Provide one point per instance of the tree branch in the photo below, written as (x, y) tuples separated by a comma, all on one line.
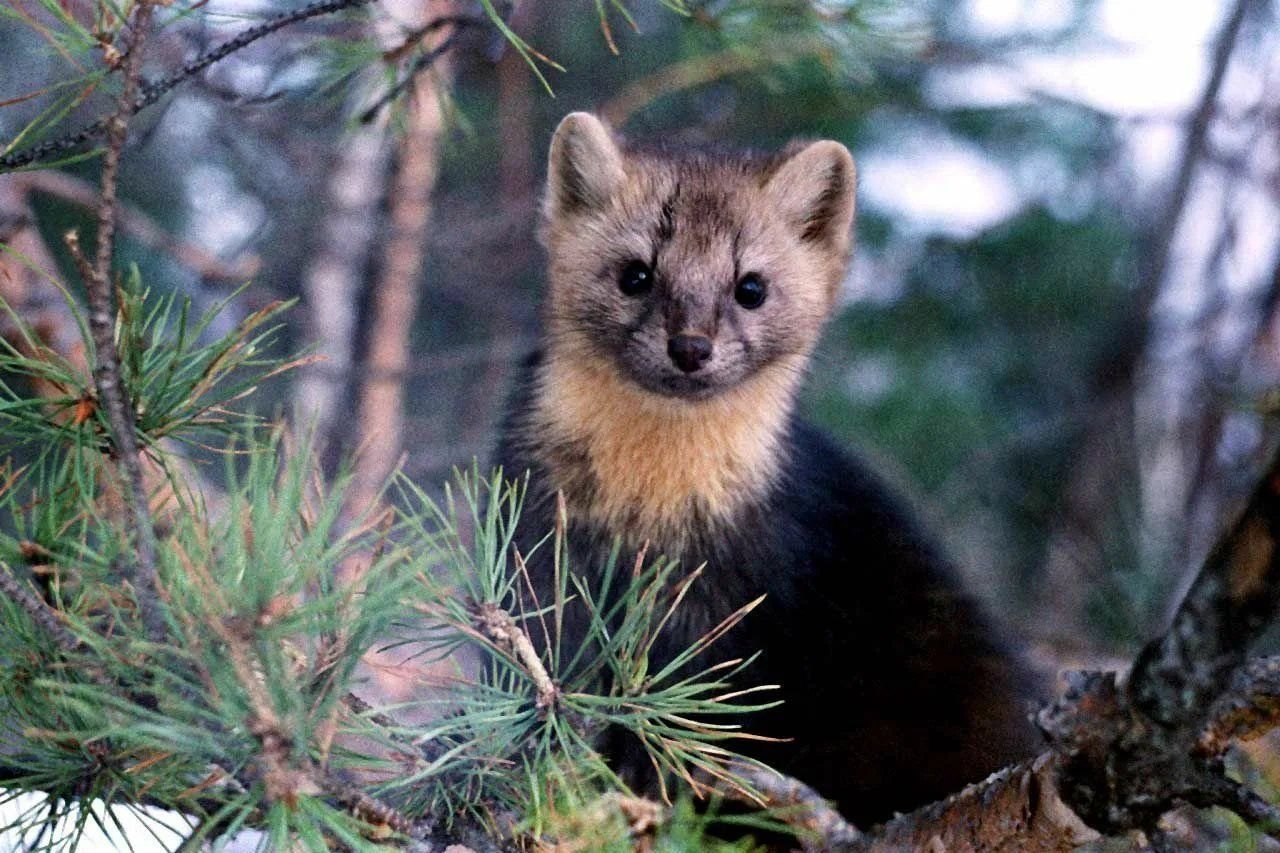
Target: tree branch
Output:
[(418, 66), (818, 825), (1250, 709), (497, 624), (150, 92), (40, 613), (142, 227), (107, 373)]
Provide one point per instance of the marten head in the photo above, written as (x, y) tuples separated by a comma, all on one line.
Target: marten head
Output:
[(691, 273)]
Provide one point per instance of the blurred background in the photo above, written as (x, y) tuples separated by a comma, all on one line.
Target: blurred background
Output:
[(1059, 332)]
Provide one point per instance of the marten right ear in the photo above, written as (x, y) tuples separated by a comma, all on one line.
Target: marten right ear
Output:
[(584, 168)]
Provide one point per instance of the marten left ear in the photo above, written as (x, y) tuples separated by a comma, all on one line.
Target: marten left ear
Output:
[(584, 167), (814, 189)]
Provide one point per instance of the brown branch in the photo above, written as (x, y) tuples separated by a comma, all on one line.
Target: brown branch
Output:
[(142, 227), (107, 374), (817, 824), (1124, 755), (498, 625), (1130, 753), (368, 809), (42, 614), (1019, 808)]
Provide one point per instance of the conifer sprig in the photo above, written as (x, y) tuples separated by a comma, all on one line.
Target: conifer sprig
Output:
[(244, 711)]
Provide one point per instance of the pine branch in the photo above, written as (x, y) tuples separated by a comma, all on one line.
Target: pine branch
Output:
[(416, 68), (150, 92), (818, 825), (107, 373), (497, 624), (40, 613)]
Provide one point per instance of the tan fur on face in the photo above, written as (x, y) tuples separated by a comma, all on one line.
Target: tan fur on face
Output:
[(652, 464), (633, 449)]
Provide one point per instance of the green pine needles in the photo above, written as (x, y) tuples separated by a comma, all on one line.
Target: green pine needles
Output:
[(245, 712)]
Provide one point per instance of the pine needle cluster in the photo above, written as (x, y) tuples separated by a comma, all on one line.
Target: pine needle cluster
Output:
[(247, 710)]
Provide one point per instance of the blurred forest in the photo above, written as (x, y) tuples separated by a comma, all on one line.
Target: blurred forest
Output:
[(1061, 324)]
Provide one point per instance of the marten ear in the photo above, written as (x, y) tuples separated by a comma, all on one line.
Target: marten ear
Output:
[(584, 168), (814, 190)]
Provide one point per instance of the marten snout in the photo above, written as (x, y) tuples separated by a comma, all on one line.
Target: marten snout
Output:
[(689, 352)]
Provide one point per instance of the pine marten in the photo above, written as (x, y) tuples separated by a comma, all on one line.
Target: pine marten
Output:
[(686, 292)]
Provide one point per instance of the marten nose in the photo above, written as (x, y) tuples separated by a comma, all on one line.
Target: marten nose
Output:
[(689, 352)]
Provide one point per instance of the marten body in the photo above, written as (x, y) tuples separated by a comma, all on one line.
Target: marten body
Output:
[(686, 293)]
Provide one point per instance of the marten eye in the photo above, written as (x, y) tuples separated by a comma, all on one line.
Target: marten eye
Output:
[(750, 291), (636, 278)]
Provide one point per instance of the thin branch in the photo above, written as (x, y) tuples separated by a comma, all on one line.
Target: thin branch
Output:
[(417, 67), (142, 227), (701, 70), (819, 826), (368, 809), (497, 624), (152, 91), (40, 613), (1193, 149), (417, 34), (107, 373)]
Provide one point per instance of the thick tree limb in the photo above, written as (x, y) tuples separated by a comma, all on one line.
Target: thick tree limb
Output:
[(1123, 755), (1250, 709), (1020, 808)]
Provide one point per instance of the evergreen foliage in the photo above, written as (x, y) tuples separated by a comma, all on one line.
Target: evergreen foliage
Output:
[(243, 715)]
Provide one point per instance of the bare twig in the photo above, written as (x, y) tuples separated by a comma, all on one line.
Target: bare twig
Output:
[(415, 36), (368, 809), (819, 826), (154, 90)]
